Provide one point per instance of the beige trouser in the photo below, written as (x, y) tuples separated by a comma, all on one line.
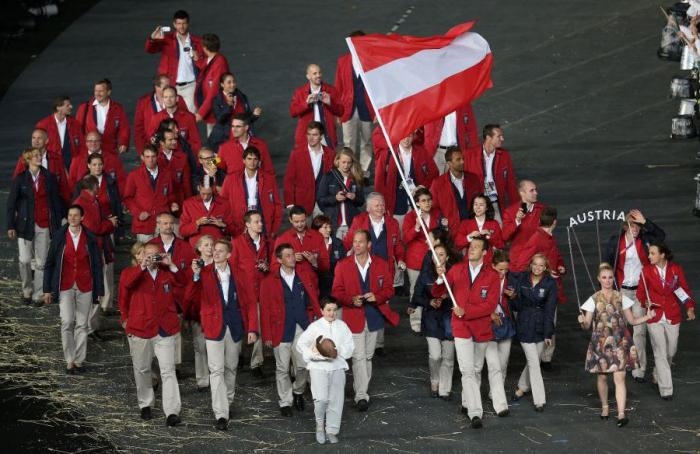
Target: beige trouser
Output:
[(74, 308), (201, 368), (664, 343), (365, 343), (286, 354), (355, 129), (414, 318), (186, 92), (222, 357), (142, 351), (548, 352), (35, 251), (379, 341), (256, 355), (439, 158), (497, 213), (640, 334), (145, 238), (341, 232), (328, 391), (95, 318), (490, 352), (441, 362), (532, 374), (178, 347), (466, 356)]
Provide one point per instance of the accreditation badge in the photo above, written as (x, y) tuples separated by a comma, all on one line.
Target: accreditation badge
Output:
[(113, 175), (166, 287), (380, 279), (165, 190), (542, 291), (271, 197)]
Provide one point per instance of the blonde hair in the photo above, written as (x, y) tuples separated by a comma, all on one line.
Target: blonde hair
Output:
[(201, 240), (605, 266), (543, 257), (136, 249), (355, 169)]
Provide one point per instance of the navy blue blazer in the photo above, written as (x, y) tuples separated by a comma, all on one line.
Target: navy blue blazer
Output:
[(336, 252), (328, 187), (535, 306), (435, 323), (20, 204), (222, 112)]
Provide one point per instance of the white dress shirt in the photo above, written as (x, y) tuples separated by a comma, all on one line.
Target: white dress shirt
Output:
[(363, 269), (224, 280), (406, 154), (489, 184), (207, 204), (377, 226), (457, 182), (316, 159), (75, 237), (101, 114), (633, 266), (154, 173), (288, 278), (185, 66), (61, 129), (159, 106), (252, 184), (448, 136), (474, 271)]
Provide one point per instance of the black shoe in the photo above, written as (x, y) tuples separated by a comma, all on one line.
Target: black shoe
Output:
[(27, 300), (539, 408), (380, 352), (476, 423), (178, 374), (299, 402), (446, 397), (70, 371), (222, 423), (546, 366), (79, 369), (434, 394), (146, 414), (203, 389), (464, 410), (622, 422), (362, 405), (667, 398), (172, 420), (38, 303), (97, 337), (286, 411), (640, 379), (257, 372), (504, 413)]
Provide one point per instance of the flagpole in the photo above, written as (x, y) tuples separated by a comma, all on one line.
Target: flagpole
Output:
[(358, 65)]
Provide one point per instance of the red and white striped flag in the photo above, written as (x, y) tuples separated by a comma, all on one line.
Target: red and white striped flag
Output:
[(412, 81)]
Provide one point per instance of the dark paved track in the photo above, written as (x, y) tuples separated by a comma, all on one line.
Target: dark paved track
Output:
[(584, 104)]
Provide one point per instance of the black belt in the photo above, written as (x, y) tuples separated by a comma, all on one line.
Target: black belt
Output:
[(627, 287), (180, 84), (442, 147)]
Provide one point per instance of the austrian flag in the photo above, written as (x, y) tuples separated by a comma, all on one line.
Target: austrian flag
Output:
[(412, 81)]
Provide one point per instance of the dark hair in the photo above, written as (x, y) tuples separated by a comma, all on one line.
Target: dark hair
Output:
[(490, 213), (106, 82), (364, 232), (488, 130), (421, 191), (211, 42), (484, 242), (453, 257), (251, 150), (224, 76), (94, 156), (149, 147), (249, 215), (663, 249), (159, 78), (75, 206), (162, 132), (451, 151), (181, 14), (316, 125), (500, 256), (548, 216), (58, 101), (442, 235), (319, 221), (280, 248), (241, 117), (167, 123), (296, 209), (88, 182), (225, 242), (170, 87), (328, 300)]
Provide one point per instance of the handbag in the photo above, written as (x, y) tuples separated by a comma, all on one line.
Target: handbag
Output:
[(506, 330)]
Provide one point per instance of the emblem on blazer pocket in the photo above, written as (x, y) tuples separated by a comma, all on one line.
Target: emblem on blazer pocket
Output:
[(178, 175), (166, 287), (116, 122), (484, 292), (165, 190), (380, 279), (183, 134), (182, 265), (113, 174), (393, 240), (336, 254), (542, 292), (505, 174), (424, 168), (272, 197), (76, 141)]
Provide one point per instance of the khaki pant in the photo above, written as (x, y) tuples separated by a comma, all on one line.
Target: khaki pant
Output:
[(34, 251), (74, 308), (441, 362), (379, 342), (222, 357), (365, 343), (414, 318), (664, 343), (286, 354), (186, 92), (328, 391), (142, 351), (201, 368), (355, 129), (489, 351), (640, 334), (548, 352), (440, 161), (145, 238), (531, 377), (471, 396)]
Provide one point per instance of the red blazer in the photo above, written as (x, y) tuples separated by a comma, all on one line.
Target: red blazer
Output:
[(444, 197), (272, 309), (170, 54), (234, 189), (346, 284), (661, 292), (416, 246), (243, 262), (206, 291), (540, 242), (386, 175), (622, 251), (186, 125), (299, 181), (231, 154), (112, 166), (145, 110), (503, 174), (116, 131), (179, 169), (467, 226), (393, 235), (478, 299), (183, 254), (93, 218), (147, 305), (298, 108), (313, 242), (467, 131), (208, 86), (54, 145), (193, 209), (57, 169), (518, 235), (345, 87), (139, 196)]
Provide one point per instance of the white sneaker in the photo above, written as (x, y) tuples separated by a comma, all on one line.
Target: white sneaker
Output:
[(332, 438), (320, 436)]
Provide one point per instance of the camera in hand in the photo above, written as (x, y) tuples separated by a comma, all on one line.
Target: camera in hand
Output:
[(156, 257), (200, 263), (186, 49), (523, 207)]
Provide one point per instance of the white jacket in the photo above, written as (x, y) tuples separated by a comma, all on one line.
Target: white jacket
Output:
[(338, 332)]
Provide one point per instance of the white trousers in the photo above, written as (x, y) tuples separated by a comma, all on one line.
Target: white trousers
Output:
[(186, 92), (201, 368), (531, 377), (441, 363), (489, 351), (548, 352), (357, 131), (379, 342), (222, 357), (328, 391), (664, 343), (74, 308), (142, 351), (471, 396), (640, 334), (365, 343), (178, 347), (35, 251), (286, 355)]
